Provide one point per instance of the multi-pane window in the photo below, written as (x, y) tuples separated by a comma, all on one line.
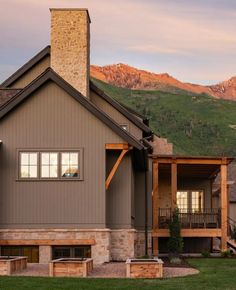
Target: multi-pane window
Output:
[(49, 165), (182, 201), (70, 164), (71, 252), (197, 201), (190, 200), (28, 165)]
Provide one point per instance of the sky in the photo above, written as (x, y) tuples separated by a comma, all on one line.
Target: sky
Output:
[(192, 40)]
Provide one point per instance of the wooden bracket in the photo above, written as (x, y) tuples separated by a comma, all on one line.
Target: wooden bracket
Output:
[(115, 167)]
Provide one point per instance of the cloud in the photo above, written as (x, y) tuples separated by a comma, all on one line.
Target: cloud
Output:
[(190, 35)]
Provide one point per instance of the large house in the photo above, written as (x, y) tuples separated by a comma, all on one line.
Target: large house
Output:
[(82, 175)]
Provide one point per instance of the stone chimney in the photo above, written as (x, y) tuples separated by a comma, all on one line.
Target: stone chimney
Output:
[(70, 46)]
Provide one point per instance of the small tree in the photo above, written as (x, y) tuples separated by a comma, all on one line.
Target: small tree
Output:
[(175, 242)]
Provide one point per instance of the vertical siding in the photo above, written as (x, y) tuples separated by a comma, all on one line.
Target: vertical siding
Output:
[(232, 210), (119, 193), (115, 115), (32, 74), (52, 119)]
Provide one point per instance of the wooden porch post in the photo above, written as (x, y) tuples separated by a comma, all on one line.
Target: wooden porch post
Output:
[(173, 184), (224, 205), (155, 205)]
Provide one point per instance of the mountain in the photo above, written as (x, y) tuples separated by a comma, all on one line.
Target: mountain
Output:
[(196, 124), (125, 76)]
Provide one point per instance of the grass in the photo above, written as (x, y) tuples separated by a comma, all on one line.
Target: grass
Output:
[(195, 124), (214, 274)]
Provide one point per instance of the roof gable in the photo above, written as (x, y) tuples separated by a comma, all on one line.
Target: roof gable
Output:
[(22, 70), (123, 110), (49, 74), (128, 113)]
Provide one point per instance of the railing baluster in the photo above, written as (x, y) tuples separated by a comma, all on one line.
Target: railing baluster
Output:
[(206, 218)]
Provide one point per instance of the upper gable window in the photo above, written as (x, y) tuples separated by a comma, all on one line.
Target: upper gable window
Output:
[(124, 127), (49, 165), (28, 164)]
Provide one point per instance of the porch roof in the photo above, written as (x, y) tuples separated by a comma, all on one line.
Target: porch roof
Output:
[(191, 166)]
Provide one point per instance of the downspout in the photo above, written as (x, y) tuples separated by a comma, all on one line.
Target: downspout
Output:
[(146, 212)]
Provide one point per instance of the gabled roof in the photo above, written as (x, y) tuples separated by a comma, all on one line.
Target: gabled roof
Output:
[(130, 116), (32, 62), (7, 94), (127, 112), (50, 75)]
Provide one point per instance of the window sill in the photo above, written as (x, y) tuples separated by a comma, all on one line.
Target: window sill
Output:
[(47, 179)]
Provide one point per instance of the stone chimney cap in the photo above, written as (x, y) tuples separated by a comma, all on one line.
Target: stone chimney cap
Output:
[(72, 9)]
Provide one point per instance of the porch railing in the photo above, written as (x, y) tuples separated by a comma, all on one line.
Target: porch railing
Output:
[(206, 218)]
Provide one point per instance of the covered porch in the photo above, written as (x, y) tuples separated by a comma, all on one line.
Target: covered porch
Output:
[(186, 183)]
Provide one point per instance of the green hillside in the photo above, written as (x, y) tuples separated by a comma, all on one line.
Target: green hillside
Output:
[(195, 124)]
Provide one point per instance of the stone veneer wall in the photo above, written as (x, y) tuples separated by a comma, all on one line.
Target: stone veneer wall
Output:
[(70, 47), (116, 245), (100, 251), (140, 243), (122, 244)]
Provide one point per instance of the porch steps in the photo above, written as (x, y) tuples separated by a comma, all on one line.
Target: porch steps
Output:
[(231, 244)]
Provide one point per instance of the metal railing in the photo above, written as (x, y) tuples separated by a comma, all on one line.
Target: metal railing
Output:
[(189, 219)]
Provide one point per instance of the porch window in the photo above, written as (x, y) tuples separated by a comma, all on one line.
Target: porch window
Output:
[(49, 164), (70, 165), (28, 165), (190, 200)]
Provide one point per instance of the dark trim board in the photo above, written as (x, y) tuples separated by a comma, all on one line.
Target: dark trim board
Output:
[(130, 116), (50, 75), (127, 112), (33, 61)]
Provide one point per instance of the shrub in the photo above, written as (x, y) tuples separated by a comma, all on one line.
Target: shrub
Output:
[(175, 242), (206, 254), (175, 260), (226, 254)]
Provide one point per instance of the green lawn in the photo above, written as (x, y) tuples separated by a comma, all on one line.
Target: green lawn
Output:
[(214, 274)]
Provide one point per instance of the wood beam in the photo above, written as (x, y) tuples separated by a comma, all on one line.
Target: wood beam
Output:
[(196, 233), (47, 242), (173, 185), (191, 161), (155, 198), (115, 167), (224, 207), (117, 146)]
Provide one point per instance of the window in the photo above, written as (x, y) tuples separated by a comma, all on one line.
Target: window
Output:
[(124, 127), (54, 165), (28, 165), (71, 252), (49, 165), (190, 200), (31, 252), (70, 164)]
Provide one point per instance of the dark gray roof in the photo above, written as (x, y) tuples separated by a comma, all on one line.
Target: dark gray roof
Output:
[(7, 94), (48, 75), (129, 113), (122, 109), (32, 62)]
